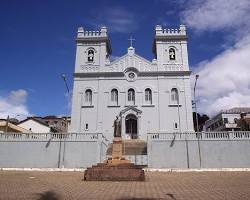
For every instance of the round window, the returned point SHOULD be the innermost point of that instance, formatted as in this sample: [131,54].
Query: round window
[131,75]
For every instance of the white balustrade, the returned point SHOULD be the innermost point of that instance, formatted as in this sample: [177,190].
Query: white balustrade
[223,135]
[52,136]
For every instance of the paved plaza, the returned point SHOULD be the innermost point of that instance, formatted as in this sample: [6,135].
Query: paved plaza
[158,185]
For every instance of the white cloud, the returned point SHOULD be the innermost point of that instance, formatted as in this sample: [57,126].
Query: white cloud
[118,19]
[211,15]
[14,104]
[224,81]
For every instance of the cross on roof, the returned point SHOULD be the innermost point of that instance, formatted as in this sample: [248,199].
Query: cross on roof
[131,41]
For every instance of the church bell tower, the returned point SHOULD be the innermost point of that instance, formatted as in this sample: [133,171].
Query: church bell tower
[93,50]
[170,49]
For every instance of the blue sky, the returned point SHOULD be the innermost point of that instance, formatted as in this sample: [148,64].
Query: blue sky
[38,44]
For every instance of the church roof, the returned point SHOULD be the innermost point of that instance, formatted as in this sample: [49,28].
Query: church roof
[237,110]
[39,121]
[12,127]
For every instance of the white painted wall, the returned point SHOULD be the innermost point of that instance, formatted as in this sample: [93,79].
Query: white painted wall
[34,126]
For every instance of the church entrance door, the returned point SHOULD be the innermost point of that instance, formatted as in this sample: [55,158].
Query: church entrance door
[131,126]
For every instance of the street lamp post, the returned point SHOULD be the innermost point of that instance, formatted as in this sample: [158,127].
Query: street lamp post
[64,141]
[67,87]
[65,81]
[196,114]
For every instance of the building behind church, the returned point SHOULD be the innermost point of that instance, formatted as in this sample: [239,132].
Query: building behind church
[148,96]
[229,120]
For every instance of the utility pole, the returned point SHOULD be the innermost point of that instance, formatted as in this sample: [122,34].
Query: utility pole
[64,141]
[196,114]
[197,122]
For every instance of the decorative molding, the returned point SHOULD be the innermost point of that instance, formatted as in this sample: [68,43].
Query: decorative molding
[131,75]
[165,73]
[131,61]
[140,74]
[90,48]
[90,68]
[130,108]
[173,67]
[171,37]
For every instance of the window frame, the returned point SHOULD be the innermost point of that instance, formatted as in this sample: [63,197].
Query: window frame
[176,125]
[114,96]
[86,127]
[170,51]
[88,97]
[88,55]
[174,96]
[148,96]
[131,96]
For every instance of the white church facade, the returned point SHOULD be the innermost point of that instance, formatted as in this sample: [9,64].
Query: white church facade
[147,96]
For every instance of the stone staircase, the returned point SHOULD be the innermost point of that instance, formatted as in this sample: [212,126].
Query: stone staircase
[118,167]
[131,147]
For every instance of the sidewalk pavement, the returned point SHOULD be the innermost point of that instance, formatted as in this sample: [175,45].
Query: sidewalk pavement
[25,185]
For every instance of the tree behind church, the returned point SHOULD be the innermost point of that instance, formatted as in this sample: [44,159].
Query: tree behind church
[201,120]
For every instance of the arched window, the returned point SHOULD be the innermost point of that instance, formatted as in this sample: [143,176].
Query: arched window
[174,95]
[131,96]
[148,96]
[91,55]
[88,97]
[114,96]
[171,54]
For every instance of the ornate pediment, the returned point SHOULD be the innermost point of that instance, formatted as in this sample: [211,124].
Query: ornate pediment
[130,110]
[131,60]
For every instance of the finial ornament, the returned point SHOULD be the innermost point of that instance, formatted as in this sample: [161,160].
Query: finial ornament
[131,41]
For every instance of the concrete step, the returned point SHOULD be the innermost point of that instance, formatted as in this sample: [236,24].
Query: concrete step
[121,172]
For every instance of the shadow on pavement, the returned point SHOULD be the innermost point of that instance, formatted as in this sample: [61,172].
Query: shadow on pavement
[49,195]
[171,196]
